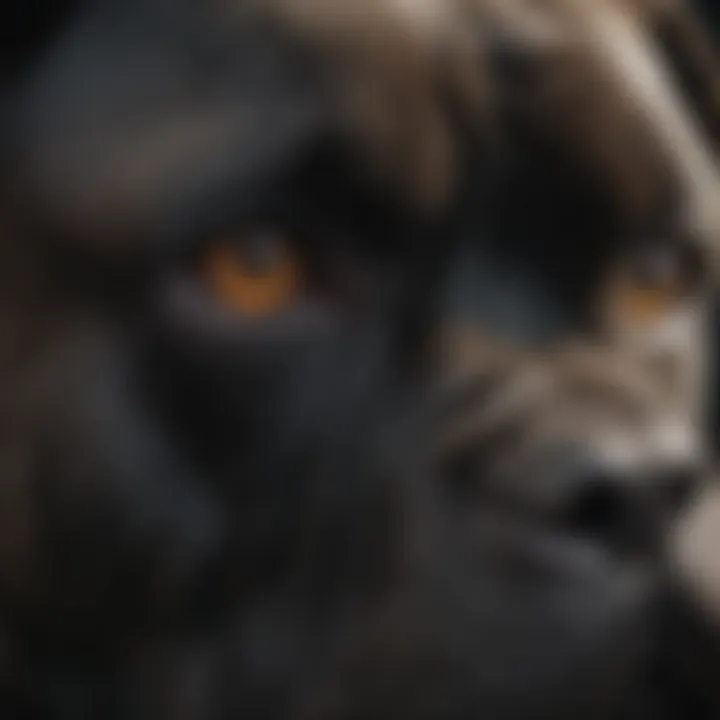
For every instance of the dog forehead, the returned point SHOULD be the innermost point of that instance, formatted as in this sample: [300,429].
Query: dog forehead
[449,48]
[138,101]
[394,66]
[405,16]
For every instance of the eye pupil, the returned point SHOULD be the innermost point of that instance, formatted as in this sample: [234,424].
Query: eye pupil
[659,271]
[263,257]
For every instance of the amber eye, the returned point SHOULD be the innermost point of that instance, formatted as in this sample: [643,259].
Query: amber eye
[648,286]
[259,278]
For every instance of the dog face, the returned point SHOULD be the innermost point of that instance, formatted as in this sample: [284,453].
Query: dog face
[314,404]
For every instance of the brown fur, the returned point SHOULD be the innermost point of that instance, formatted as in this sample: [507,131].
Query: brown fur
[389,62]
[637,416]
[407,74]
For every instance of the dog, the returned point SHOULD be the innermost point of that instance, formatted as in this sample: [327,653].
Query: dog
[353,359]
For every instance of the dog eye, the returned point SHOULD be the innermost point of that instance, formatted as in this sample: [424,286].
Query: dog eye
[257,276]
[651,283]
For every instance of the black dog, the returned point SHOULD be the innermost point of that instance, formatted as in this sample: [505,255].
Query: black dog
[346,372]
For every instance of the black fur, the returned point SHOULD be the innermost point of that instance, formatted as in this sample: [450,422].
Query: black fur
[207,518]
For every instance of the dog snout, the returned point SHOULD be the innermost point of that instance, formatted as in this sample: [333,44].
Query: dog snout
[602,467]
[619,507]
[576,490]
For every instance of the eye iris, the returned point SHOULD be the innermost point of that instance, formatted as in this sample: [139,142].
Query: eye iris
[250,285]
[657,284]
[647,302]
[648,288]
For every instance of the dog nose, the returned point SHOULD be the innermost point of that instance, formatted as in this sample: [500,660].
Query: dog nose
[620,506]
[581,494]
